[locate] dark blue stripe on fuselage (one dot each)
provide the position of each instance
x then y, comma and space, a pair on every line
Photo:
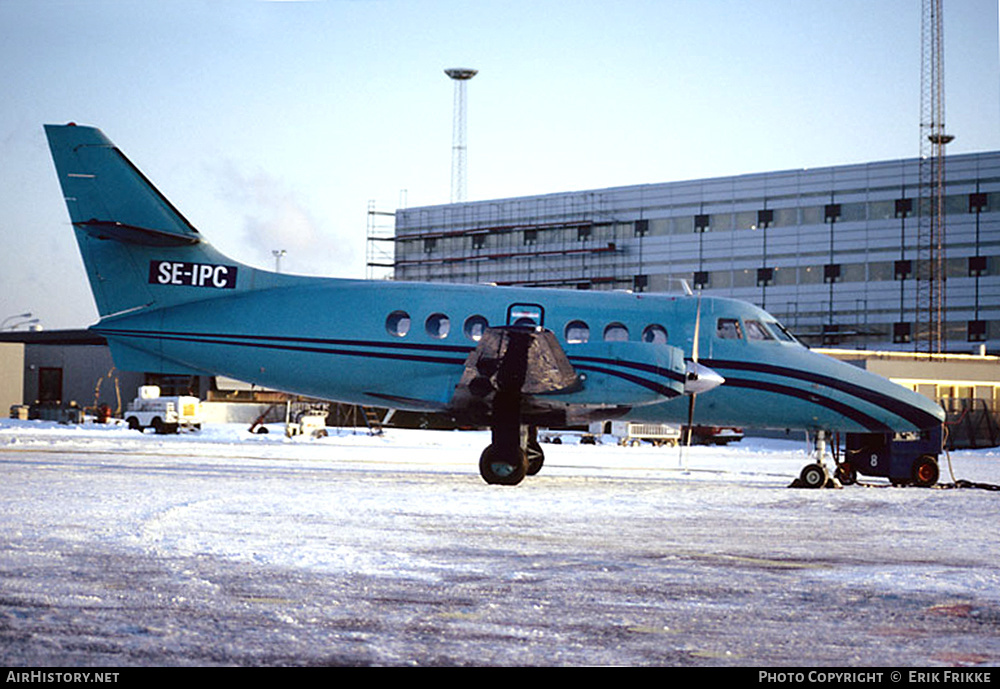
915, 415
872, 424
285, 343
398, 349
648, 368
325, 346
658, 388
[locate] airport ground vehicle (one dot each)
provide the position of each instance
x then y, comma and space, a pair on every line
163, 414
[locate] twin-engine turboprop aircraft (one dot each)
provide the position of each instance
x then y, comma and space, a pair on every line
508, 358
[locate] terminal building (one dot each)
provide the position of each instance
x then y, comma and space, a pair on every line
832, 252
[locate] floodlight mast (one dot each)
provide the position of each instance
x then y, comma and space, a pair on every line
460, 76
931, 266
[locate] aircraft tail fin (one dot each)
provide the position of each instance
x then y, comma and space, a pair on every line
139, 251
107, 196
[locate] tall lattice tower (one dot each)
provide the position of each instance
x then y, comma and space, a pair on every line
458, 148
931, 275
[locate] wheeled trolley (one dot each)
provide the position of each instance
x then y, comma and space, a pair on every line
903, 458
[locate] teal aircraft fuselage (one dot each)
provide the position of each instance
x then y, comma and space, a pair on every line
505, 357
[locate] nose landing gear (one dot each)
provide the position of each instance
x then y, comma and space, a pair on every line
816, 474
903, 458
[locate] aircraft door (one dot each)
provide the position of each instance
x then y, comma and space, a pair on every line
525, 314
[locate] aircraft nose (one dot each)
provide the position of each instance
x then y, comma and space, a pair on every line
929, 406
699, 379
901, 407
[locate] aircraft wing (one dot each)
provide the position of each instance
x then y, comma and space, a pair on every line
530, 364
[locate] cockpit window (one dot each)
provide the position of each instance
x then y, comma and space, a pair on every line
757, 331
729, 329
781, 331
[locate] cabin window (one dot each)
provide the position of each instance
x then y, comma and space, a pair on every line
616, 332
654, 334
729, 329
437, 325
398, 323
757, 331
577, 332
475, 327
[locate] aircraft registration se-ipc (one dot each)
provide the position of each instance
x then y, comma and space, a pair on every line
512, 359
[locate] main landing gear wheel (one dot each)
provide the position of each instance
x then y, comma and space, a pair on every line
535, 456
813, 476
505, 471
925, 472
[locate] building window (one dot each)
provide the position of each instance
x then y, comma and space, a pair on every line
977, 266
641, 227
901, 333
977, 331
701, 279
701, 223
904, 207
50, 384
831, 272
903, 269
831, 334
765, 277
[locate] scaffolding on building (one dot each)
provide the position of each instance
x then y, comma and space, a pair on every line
380, 247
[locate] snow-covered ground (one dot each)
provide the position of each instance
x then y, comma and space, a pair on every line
223, 547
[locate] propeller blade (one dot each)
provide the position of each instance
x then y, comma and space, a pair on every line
697, 330
690, 422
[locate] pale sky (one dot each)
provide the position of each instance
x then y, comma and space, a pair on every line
270, 125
